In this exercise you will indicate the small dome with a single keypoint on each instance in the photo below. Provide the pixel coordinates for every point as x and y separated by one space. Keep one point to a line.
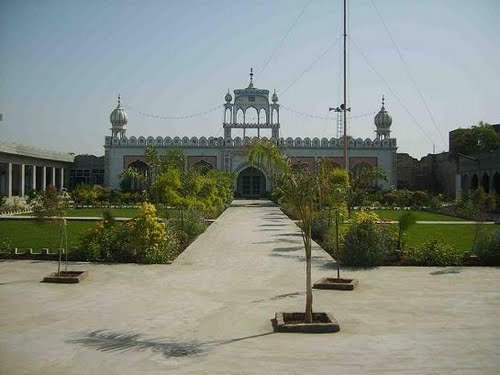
228 97
382 118
275 97
118 117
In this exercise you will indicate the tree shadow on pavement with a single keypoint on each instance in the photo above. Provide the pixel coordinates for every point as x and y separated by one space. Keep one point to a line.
121 341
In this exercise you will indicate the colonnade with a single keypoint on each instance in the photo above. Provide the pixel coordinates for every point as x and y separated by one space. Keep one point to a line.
19 179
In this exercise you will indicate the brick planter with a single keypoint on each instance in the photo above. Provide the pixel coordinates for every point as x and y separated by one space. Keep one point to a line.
294 322
65 277
334 283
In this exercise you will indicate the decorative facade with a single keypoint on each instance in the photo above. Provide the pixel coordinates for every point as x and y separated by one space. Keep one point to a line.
230 152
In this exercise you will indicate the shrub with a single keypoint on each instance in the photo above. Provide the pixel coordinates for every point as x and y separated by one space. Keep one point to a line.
488 249
187 224
434 252
366 243
14 203
144 239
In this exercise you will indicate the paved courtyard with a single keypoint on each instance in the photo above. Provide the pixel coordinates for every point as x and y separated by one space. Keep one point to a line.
209 312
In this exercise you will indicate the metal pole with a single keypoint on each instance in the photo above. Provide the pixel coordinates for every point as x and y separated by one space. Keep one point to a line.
345 88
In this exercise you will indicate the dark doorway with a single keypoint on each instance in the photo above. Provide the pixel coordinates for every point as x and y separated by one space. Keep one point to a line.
251 183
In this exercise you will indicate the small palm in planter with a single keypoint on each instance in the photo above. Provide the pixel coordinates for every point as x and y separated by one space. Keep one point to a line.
51 205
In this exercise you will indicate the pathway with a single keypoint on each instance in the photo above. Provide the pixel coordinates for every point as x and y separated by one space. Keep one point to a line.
215 301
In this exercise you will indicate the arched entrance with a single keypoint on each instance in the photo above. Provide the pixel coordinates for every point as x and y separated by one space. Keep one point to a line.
251 183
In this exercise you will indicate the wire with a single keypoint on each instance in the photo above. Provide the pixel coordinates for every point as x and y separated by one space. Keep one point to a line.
280 43
319 117
409 73
164 117
309 67
391 90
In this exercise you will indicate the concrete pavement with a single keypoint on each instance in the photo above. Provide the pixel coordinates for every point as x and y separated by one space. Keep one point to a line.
209 311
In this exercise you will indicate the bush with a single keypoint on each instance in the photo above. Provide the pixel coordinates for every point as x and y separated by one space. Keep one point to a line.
488 249
434 252
14 203
366 243
144 239
187 224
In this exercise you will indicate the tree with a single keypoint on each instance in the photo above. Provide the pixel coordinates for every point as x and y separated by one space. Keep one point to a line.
406 220
363 181
480 138
299 189
51 205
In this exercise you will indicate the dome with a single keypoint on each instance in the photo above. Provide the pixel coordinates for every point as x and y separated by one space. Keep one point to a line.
118 117
382 118
275 97
228 97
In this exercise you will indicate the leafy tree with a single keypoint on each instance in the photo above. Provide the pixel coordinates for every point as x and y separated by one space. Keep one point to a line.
362 183
480 138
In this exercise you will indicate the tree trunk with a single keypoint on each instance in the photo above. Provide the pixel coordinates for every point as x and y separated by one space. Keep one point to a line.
308 318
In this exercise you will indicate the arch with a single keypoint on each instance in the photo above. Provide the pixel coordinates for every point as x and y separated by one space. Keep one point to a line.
237 142
368 142
307 142
115 141
203 141
275 118
251 115
211 141
289 142
298 142
194 141
124 141
474 183
359 142
132 141
141 141
185 141
202 166
151 141
227 116
496 183
220 141
251 183
324 142
333 142
228 141
159 141
135 184
263 116
240 116
167 141
485 182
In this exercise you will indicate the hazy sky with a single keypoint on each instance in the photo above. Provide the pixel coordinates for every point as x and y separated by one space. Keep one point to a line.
63 63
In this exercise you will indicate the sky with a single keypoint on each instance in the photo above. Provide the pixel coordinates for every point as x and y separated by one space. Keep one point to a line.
64 62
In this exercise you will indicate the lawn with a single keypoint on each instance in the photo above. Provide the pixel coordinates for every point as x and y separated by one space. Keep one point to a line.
35 235
97 212
420 215
459 235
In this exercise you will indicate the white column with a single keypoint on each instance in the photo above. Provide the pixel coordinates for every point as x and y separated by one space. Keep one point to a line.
9 180
23 172
44 178
33 178
53 180
61 178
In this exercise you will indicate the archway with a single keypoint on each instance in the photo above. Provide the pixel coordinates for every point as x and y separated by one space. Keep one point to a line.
474 184
251 183
496 183
485 183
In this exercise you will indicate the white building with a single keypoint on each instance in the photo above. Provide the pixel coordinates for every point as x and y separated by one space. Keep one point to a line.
251 109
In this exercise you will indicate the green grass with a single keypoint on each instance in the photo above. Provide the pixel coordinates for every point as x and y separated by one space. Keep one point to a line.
35 235
420 215
97 212
461 236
